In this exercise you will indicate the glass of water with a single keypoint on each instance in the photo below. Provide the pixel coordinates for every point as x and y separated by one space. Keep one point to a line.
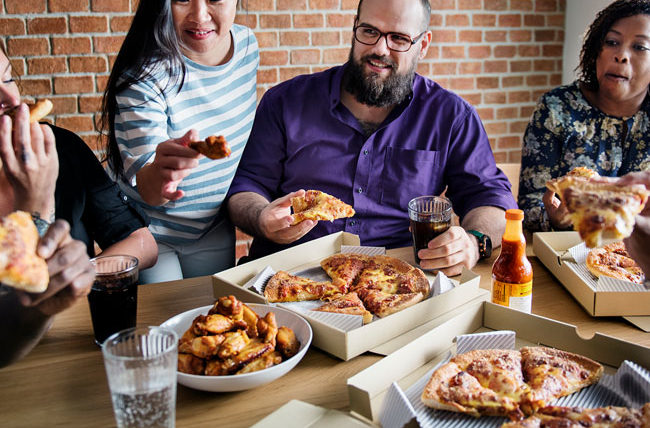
141 370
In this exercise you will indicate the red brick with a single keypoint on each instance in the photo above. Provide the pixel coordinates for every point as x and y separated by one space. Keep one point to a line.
32 46
90 103
546 5
88 64
495 4
493 128
453 52
471 67
68 5
12 27
35 87
259 5
534 20
545 35
267 39
46 65
440 68
505 51
496 36
121 24
461 83
248 20
275 21
24 6
555 79
308 20
509 142
323 4
335 56
107 44
287 73
527 50
442 4
291 5
64 105
526 111
500 157
484 20
485 113
274 57
294 38
46 26
496 67
507 113
479 51
524 5
510 81
70 45
76 123
443 36
518 127
423 69
18 66
520 66
88 24
469 4
521 36
269 75
304 56
470 36
325 38
552 51
461 20
495 98
436 20
101 83
338 20
537 94
109 5
519 97
555 20
544 65
349 4
514 156
537 80
487 82
433 52
510 20
73 84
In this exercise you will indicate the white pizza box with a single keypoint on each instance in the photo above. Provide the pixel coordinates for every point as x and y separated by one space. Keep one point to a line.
552 249
369 388
298 414
340 343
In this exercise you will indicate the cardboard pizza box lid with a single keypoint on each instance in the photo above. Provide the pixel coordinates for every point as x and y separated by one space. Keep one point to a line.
552 250
342 344
369 388
298 414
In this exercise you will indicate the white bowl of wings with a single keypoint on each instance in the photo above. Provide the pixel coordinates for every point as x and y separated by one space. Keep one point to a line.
182 322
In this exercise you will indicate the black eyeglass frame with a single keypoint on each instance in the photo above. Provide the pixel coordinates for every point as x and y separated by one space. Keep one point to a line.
385 35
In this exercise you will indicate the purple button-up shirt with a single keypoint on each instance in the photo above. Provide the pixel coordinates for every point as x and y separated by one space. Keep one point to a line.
305 138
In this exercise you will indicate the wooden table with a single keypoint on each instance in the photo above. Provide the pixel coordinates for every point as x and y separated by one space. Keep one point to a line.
62 381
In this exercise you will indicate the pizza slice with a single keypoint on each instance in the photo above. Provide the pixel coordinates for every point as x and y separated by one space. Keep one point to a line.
383 304
599 207
348 304
392 276
284 287
614 261
37 111
480 382
213 147
344 268
577 417
20 266
317 205
553 373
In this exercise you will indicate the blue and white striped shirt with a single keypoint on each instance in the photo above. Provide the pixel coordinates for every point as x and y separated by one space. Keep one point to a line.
214 100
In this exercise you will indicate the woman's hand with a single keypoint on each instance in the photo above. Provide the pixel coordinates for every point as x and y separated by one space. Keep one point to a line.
30 162
174 160
557 212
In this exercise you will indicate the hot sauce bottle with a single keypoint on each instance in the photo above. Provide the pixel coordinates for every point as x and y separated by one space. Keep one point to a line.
512 274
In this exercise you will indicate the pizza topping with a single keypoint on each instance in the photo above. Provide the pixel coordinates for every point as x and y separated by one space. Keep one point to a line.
577 417
614 261
317 205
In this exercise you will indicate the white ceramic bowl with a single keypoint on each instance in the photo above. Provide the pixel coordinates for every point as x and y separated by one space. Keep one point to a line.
181 322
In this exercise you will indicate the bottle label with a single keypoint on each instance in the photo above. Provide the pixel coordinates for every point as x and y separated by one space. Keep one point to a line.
515 296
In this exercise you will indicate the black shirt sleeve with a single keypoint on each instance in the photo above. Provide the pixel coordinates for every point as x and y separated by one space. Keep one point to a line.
88 199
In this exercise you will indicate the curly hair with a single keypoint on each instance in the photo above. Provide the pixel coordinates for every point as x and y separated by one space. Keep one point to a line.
595 36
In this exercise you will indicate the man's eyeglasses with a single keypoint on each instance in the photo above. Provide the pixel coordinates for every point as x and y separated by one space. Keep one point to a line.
395 41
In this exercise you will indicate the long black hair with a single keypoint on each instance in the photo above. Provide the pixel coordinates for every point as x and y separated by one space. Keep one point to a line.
595 36
151 40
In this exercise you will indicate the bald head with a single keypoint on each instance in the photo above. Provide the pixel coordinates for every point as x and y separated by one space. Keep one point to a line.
400 4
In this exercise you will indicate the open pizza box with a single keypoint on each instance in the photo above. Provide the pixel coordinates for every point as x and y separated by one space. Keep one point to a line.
344 339
388 392
599 297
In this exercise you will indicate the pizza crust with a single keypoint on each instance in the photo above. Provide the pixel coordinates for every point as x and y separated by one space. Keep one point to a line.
614 261
317 205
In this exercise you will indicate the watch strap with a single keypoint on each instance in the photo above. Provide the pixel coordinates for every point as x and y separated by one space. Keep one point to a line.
481 243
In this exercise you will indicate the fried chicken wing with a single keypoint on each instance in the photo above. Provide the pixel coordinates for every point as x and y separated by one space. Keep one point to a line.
234 342
188 363
260 363
204 325
287 343
267 328
251 318
228 306
202 346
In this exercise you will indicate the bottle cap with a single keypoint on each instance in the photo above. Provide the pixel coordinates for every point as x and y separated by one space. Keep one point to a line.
514 214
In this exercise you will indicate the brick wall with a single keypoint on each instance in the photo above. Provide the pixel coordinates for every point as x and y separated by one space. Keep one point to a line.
500 55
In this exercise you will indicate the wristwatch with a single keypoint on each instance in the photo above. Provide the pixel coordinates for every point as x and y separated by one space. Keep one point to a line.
484 244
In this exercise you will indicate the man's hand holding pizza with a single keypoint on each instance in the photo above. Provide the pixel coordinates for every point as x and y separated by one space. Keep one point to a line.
30 162
173 161
275 221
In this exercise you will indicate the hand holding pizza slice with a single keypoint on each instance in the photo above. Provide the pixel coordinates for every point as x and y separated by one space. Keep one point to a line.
317 205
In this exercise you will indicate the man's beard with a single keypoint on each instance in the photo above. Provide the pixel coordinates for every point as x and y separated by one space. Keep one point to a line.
373 91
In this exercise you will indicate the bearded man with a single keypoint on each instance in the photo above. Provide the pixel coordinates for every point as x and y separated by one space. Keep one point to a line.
375 134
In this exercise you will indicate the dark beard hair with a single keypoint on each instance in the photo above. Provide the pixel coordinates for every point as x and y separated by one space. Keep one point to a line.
375 92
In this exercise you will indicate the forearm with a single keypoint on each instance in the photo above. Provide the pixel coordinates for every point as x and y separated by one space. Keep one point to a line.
149 183
244 209
140 244
488 220
20 328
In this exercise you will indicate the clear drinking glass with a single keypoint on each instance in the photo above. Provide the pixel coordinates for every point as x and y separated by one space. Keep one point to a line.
141 370
430 216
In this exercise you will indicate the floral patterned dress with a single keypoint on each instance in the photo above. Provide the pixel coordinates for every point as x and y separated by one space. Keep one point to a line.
566 131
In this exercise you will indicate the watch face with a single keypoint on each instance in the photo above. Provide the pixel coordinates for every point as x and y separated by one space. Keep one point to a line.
488 246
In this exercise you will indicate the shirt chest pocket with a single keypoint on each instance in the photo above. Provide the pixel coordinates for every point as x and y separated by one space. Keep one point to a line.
407 174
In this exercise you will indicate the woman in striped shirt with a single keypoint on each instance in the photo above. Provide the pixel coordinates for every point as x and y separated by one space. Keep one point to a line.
185 71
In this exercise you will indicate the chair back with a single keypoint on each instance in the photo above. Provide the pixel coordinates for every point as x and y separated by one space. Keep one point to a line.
511 170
